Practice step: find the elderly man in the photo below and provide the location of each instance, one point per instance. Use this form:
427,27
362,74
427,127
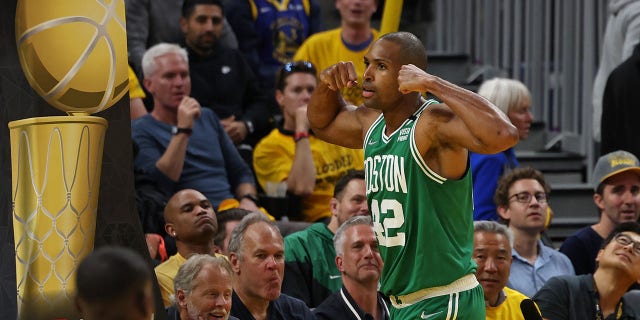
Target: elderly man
617,196
602,295
360,264
181,145
203,288
492,252
256,252
191,221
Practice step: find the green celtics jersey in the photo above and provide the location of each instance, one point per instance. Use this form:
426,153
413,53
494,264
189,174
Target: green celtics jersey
423,222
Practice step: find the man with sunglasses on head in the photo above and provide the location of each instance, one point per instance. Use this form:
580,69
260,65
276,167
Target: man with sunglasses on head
617,196
603,294
292,153
221,78
522,199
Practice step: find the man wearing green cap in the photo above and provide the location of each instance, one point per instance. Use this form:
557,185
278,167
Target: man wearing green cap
616,179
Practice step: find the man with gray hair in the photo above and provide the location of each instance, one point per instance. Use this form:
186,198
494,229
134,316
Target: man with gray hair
203,287
256,253
359,262
310,272
492,253
181,145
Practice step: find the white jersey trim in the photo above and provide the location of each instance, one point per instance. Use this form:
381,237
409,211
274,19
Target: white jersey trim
416,153
367,136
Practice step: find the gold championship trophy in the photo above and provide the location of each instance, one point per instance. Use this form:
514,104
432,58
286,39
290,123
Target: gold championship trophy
74,55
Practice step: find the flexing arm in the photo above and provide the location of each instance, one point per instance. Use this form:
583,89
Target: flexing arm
243,189
329,115
477,125
172,160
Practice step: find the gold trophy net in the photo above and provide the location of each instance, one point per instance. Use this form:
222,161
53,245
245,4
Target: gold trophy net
74,55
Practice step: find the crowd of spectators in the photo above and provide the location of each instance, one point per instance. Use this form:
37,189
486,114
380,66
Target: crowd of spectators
224,118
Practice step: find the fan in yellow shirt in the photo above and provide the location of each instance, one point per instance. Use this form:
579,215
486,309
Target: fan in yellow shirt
492,252
350,42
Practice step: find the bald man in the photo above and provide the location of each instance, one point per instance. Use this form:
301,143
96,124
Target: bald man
191,221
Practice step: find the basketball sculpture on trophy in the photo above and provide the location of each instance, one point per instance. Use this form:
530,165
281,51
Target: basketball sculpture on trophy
74,55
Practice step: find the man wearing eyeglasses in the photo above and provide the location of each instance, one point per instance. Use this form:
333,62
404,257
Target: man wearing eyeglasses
617,196
522,200
603,294
221,78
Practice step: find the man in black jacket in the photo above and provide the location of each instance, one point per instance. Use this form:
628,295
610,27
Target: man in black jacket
620,112
256,253
602,295
360,264
221,79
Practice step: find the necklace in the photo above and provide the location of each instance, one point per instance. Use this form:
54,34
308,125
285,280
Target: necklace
599,315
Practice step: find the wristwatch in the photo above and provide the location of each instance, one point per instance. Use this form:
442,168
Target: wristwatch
175,130
249,125
251,197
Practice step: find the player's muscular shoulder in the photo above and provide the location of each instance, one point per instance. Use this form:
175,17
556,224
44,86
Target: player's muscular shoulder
367,115
450,163
438,113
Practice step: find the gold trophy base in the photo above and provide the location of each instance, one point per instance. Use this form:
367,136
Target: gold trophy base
56,164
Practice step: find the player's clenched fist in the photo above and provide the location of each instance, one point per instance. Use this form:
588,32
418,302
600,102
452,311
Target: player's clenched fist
414,79
340,75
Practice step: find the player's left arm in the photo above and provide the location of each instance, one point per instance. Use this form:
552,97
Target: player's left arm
464,120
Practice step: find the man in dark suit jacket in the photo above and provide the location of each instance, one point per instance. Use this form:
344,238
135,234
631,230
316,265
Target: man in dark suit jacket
620,112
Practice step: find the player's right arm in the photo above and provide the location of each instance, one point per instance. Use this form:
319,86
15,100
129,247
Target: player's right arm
330,117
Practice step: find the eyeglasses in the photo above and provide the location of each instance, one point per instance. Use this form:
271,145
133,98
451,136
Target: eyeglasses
625,240
525,197
291,67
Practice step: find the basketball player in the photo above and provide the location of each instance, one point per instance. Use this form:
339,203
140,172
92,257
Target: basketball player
417,167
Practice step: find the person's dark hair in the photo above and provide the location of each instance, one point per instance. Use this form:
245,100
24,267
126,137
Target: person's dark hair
501,196
290,68
189,5
600,189
623,227
237,236
344,181
413,50
224,216
108,272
